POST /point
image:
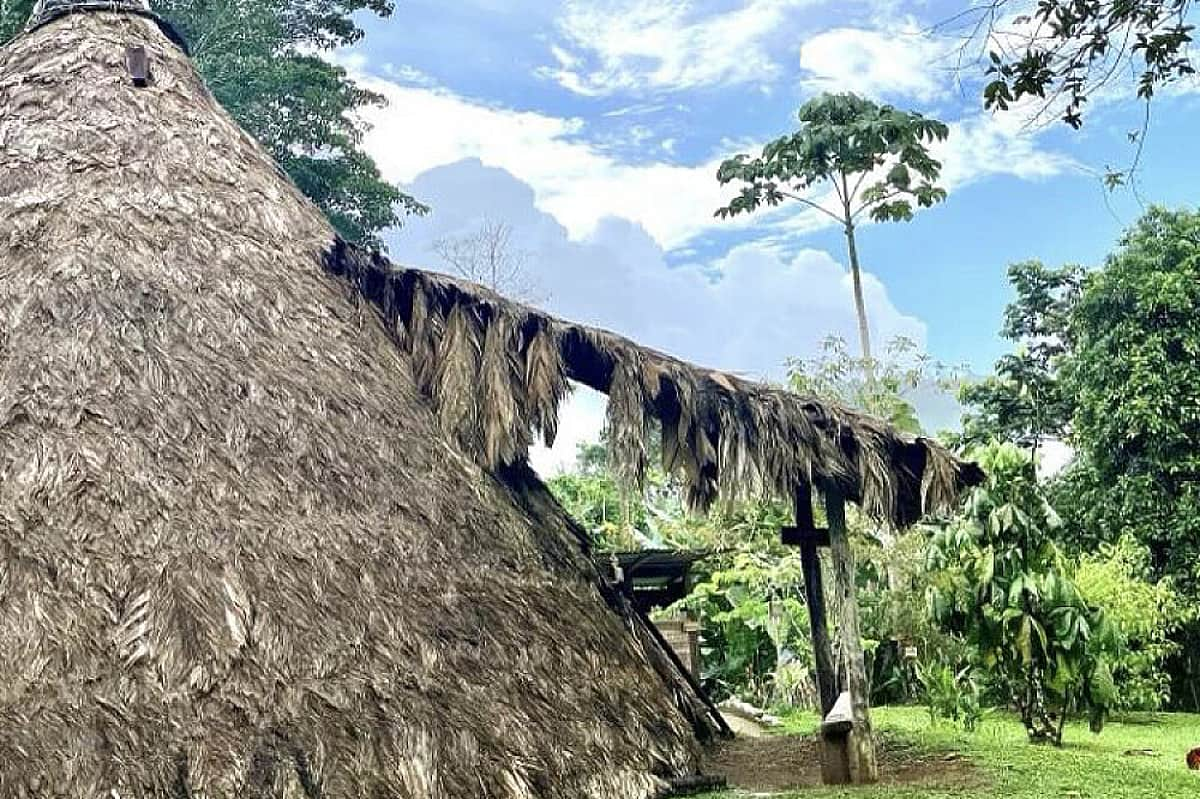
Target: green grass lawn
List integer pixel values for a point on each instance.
(1087, 765)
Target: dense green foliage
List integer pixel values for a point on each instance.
(595, 498)
(1068, 50)
(1145, 613)
(1108, 361)
(1024, 401)
(261, 60)
(1134, 371)
(258, 60)
(754, 623)
(1004, 584)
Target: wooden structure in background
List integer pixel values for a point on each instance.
(658, 578)
(682, 634)
(652, 579)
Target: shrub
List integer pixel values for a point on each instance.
(1002, 583)
(950, 694)
(1145, 614)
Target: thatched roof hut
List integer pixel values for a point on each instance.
(260, 537)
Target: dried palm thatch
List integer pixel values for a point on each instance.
(497, 370)
(238, 555)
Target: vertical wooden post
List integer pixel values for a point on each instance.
(814, 597)
(863, 766)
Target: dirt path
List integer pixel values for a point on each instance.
(786, 762)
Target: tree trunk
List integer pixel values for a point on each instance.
(864, 338)
(1039, 726)
(860, 305)
(863, 766)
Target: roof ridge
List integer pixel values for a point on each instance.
(496, 371)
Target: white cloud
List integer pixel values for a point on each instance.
(576, 180)
(579, 182)
(985, 145)
(580, 420)
(747, 310)
(636, 45)
(902, 62)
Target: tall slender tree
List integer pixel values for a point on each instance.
(873, 159)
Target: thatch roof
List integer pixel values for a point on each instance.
(238, 555)
(497, 371)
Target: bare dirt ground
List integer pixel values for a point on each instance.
(787, 762)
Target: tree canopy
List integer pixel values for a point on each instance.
(844, 139)
(1109, 360)
(1065, 52)
(1024, 401)
(1134, 373)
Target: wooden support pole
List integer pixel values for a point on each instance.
(814, 596)
(863, 766)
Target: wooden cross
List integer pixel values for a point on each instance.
(848, 752)
(805, 535)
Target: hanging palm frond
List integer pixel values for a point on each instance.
(722, 435)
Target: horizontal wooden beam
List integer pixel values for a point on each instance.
(799, 536)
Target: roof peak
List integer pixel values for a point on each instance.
(46, 11)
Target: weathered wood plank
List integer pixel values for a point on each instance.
(138, 63)
(861, 755)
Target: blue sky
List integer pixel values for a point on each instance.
(593, 129)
